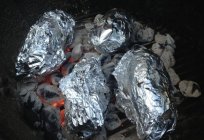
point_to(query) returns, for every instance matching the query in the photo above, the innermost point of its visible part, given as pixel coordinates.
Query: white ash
(168, 58)
(81, 42)
(48, 87)
(48, 92)
(170, 41)
(145, 34)
(160, 39)
(164, 40)
(173, 76)
(157, 49)
(27, 91)
(137, 26)
(76, 45)
(189, 88)
(77, 51)
(55, 78)
(164, 47)
(34, 99)
(142, 33)
(98, 20)
(170, 49)
(89, 26)
(81, 48)
(26, 86)
(112, 121)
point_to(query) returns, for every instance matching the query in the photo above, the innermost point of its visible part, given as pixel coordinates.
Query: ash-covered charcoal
(108, 63)
(55, 78)
(173, 76)
(87, 96)
(145, 35)
(112, 121)
(189, 88)
(48, 92)
(51, 119)
(144, 88)
(27, 93)
(165, 40)
(43, 50)
(165, 48)
(112, 31)
(141, 33)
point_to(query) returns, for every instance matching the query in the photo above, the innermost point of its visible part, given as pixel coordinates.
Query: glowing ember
(54, 100)
(58, 104)
(62, 117)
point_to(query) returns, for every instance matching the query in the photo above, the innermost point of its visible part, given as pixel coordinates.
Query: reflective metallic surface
(111, 32)
(143, 92)
(43, 50)
(87, 95)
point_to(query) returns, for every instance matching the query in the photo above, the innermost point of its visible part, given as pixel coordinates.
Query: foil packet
(112, 31)
(143, 92)
(43, 50)
(87, 96)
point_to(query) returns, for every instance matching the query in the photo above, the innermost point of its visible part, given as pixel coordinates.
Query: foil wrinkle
(112, 31)
(43, 49)
(143, 92)
(87, 94)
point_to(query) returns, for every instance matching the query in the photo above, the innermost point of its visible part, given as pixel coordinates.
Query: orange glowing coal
(58, 104)
(62, 117)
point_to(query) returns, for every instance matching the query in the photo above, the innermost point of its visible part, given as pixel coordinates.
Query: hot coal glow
(96, 94)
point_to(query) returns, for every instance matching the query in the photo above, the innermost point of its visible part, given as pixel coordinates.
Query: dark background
(182, 19)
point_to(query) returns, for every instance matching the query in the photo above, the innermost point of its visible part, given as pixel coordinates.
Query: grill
(183, 20)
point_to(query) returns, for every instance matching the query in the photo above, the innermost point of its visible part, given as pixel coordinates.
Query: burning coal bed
(105, 77)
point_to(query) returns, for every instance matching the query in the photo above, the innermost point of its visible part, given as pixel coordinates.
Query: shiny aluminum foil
(143, 92)
(87, 95)
(112, 31)
(43, 50)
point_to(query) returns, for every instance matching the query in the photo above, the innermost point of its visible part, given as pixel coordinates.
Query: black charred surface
(182, 19)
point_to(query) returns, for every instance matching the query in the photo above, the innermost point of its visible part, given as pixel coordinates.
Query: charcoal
(189, 88)
(48, 92)
(51, 119)
(112, 121)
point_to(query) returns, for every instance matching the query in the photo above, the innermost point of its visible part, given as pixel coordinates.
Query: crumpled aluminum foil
(87, 95)
(143, 92)
(112, 31)
(43, 50)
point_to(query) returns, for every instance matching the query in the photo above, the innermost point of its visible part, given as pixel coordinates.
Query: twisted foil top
(43, 50)
(111, 32)
(143, 93)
